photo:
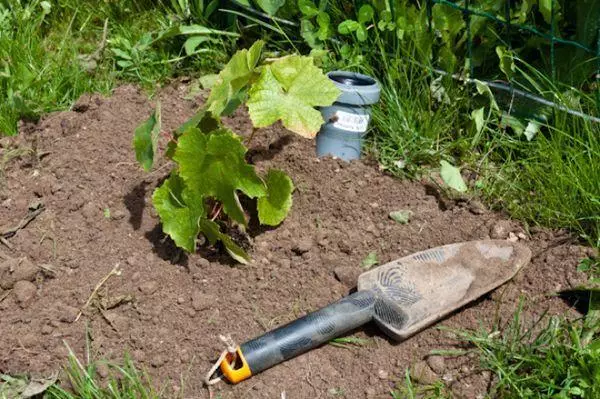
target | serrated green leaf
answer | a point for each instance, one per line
(145, 139)
(213, 165)
(178, 212)
(288, 90)
(451, 176)
(370, 260)
(208, 81)
(365, 14)
(229, 89)
(270, 6)
(274, 207)
(213, 233)
(402, 216)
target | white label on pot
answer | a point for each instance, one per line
(350, 122)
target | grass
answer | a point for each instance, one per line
(52, 54)
(550, 180)
(124, 382)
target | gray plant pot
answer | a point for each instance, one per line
(347, 120)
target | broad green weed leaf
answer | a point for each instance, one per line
(274, 207)
(288, 90)
(145, 139)
(546, 9)
(531, 130)
(451, 176)
(270, 6)
(179, 217)
(402, 216)
(370, 260)
(507, 63)
(230, 86)
(479, 119)
(307, 8)
(192, 43)
(365, 14)
(214, 165)
(348, 26)
(361, 33)
(213, 233)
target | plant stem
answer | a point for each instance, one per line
(251, 136)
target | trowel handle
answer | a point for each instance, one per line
(299, 336)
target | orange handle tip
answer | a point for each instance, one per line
(232, 373)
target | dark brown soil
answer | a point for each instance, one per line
(167, 309)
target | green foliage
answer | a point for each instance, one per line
(145, 139)
(212, 171)
(533, 360)
(125, 381)
(451, 176)
(288, 90)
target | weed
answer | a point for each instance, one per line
(348, 342)
(125, 382)
(408, 390)
(531, 360)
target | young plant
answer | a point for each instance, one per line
(211, 169)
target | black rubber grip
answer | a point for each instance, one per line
(309, 331)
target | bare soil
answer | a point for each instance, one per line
(167, 309)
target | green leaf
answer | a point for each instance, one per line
(229, 89)
(546, 10)
(370, 260)
(451, 176)
(208, 81)
(365, 14)
(214, 165)
(213, 234)
(192, 43)
(270, 6)
(402, 216)
(288, 90)
(274, 207)
(324, 30)
(484, 89)
(203, 30)
(348, 26)
(307, 8)
(179, 212)
(361, 33)
(507, 63)
(479, 118)
(531, 130)
(145, 139)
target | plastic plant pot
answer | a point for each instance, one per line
(347, 119)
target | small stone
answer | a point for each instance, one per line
(476, 207)
(180, 300)
(16, 269)
(135, 276)
(24, 292)
(117, 215)
(303, 246)
(68, 313)
(148, 287)
(158, 360)
(383, 375)
(347, 275)
(522, 236)
(203, 263)
(436, 363)
(201, 301)
(421, 373)
(512, 237)
(500, 230)
(102, 369)
(47, 329)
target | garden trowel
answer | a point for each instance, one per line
(402, 297)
